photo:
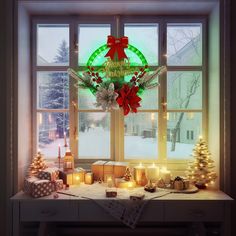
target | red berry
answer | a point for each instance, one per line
(146, 66)
(92, 69)
(93, 74)
(97, 74)
(94, 80)
(141, 69)
(88, 72)
(136, 73)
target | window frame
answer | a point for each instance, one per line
(117, 29)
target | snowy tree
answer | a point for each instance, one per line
(56, 95)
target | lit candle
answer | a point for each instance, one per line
(88, 178)
(139, 171)
(153, 172)
(65, 142)
(109, 182)
(165, 175)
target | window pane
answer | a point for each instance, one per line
(51, 128)
(52, 90)
(86, 99)
(52, 45)
(184, 90)
(141, 136)
(184, 44)
(183, 130)
(91, 37)
(94, 135)
(145, 38)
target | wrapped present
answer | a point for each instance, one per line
(101, 169)
(72, 177)
(67, 177)
(57, 184)
(119, 169)
(49, 174)
(111, 192)
(98, 170)
(37, 187)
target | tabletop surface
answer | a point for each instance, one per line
(97, 192)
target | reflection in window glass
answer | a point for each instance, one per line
(145, 38)
(180, 145)
(53, 90)
(94, 135)
(184, 44)
(52, 128)
(52, 45)
(91, 37)
(184, 90)
(141, 136)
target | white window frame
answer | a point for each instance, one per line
(117, 118)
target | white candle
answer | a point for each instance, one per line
(165, 175)
(153, 172)
(109, 182)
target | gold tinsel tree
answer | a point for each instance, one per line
(200, 171)
(37, 165)
(127, 175)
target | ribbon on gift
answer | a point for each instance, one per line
(117, 45)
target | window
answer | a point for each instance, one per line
(171, 116)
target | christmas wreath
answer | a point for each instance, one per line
(111, 91)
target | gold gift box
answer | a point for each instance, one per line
(101, 169)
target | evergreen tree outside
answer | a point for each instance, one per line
(56, 96)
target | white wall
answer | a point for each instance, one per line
(214, 88)
(24, 94)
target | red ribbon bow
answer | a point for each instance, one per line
(117, 45)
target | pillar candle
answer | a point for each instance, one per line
(165, 175)
(139, 171)
(153, 172)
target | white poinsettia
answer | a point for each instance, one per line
(106, 98)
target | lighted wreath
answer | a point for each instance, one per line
(110, 90)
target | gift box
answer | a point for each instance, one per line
(57, 184)
(49, 174)
(98, 170)
(37, 187)
(73, 177)
(101, 169)
(67, 177)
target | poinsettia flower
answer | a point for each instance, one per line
(128, 99)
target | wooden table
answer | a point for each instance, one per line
(204, 206)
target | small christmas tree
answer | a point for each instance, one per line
(37, 165)
(200, 170)
(127, 175)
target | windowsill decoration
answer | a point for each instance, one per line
(112, 91)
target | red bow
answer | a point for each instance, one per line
(117, 45)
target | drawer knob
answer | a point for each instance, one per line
(48, 213)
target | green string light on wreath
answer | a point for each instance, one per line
(104, 47)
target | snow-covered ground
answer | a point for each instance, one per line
(95, 143)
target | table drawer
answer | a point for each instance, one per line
(194, 211)
(56, 210)
(89, 211)
(153, 212)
